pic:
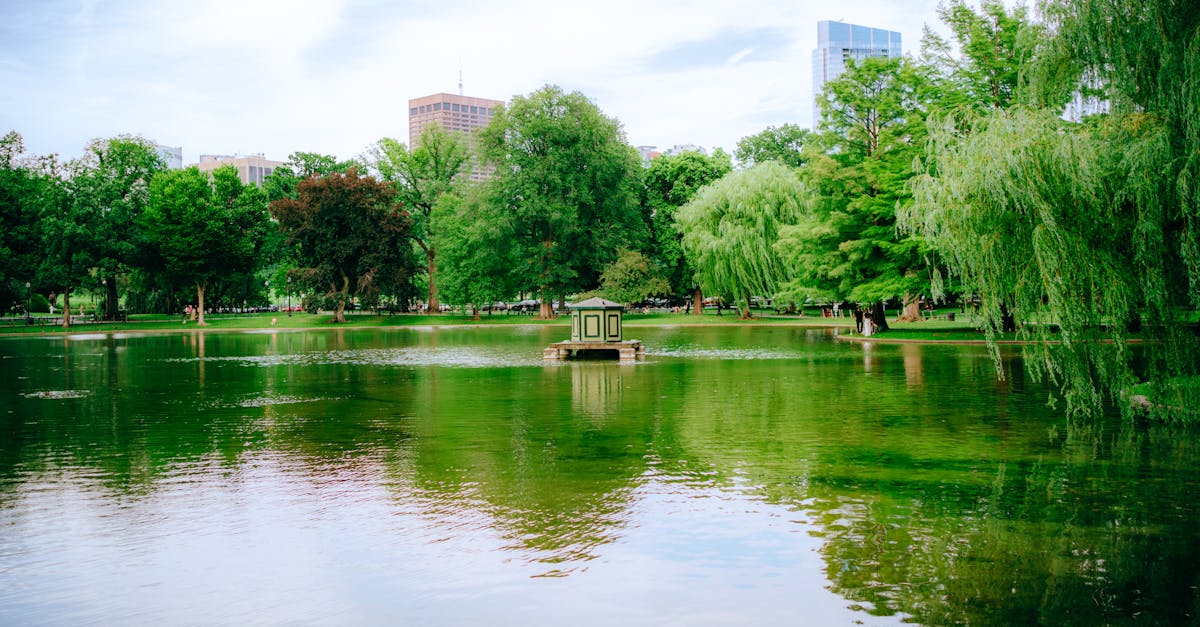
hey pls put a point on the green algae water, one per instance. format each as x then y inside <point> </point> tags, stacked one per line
<point>765,475</point>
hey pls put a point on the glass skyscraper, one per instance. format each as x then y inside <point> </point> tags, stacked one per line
<point>838,42</point>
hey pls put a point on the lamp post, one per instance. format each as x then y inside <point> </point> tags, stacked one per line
<point>28,302</point>
<point>289,291</point>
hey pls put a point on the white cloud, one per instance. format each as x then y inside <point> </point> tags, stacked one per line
<point>275,76</point>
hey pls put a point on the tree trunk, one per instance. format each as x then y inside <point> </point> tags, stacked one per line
<point>66,320</point>
<point>746,313</point>
<point>200,309</point>
<point>1008,322</point>
<point>110,298</point>
<point>698,302</point>
<point>475,311</point>
<point>339,313</point>
<point>431,302</point>
<point>546,310</point>
<point>912,309</point>
<point>879,316</point>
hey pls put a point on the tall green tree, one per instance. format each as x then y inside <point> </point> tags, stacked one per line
<point>284,181</point>
<point>423,175</point>
<point>351,237</point>
<point>93,234</point>
<point>783,143</point>
<point>474,240</point>
<point>730,229</point>
<point>670,182</point>
<point>872,130</point>
<point>988,49</point>
<point>633,277</point>
<point>29,189</point>
<point>564,171</point>
<point>200,229</point>
<point>1090,227</point>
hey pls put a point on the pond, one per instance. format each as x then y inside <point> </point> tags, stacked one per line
<point>739,475</point>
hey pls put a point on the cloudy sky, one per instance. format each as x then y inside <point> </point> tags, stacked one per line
<point>334,76</point>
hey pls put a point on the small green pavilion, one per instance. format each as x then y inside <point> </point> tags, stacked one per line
<point>596,329</point>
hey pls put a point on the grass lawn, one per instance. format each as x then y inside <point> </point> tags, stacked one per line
<point>1173,396</point>
<point>218,322</point>
<point>933,331</point>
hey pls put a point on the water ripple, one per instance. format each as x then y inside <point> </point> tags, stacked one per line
<point>465,357</point>
<point>272,399</point>
<point>739,354</point>
<point>58,394</point>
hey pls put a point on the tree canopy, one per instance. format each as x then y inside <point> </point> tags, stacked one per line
<point>474,239</point>
<point>990,49</point>
<point>783,143</point>
<point>284,181</point>
<point>730,229</point>
<point>27,193</point>
<point>352,238</point>
<point>89,234</point>
<point>1087,227</point>
<point>565,173</point>
<point>423,175</point>
<point>670,182</point>
<point>632,278</point>
<point>872,130</point>
<point>201,229</point>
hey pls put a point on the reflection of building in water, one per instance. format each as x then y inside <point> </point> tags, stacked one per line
<point>596,388</point>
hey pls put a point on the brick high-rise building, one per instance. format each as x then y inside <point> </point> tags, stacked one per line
<point>460,114</point>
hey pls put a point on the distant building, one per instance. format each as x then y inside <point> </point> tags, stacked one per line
<point>679,149</point>
<point>839,42</point>
<point>648,153</point>
<point>251,168</point>
<point>460,114</point>
<point>172,155</point>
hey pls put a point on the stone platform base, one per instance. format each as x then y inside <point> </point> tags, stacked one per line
<point>629,350</point>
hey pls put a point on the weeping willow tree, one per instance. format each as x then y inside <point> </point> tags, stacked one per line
<point>730,228</point>
<point>1086,232</point>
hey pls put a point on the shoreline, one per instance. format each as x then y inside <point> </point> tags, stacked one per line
<point>843,328</point>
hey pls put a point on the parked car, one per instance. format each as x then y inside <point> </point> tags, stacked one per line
<point>528,305</point>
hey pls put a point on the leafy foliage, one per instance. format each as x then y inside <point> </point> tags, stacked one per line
<point>565,173</point>
<point>284,181</point>
<point>26,194</point>
<point>730,229</point>
<point>90,234</point>
<point>670,182</point>
<point>351,237</point>
<point>993,45</point>
<point>632,278</point>
<point>422,177</point>
<point>1092,227</point>
<point>873,128</point>
<point>202,230</point>
<point>476,249</point>
<point>783,143</point>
